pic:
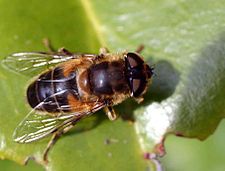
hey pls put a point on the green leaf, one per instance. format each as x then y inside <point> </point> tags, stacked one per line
<point>207,155</point>
<point>7,165</point>
<point>184,39</point>
<point>68,24</point>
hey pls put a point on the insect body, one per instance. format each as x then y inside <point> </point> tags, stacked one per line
<point>75,86</point>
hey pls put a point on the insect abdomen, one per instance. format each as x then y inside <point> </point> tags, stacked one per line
<point>51,90</point>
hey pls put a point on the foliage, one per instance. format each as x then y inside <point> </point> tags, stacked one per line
<point>184,39</point>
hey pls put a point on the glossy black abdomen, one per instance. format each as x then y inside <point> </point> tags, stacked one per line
<point>49,92</point>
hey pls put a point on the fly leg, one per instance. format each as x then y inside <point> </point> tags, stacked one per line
<point>65,51</point>
<point>56,135</point>
<point>50,48</point>
<point>103,51</point>
<point>110,112</point>
<point>48,45</point>
<point>140,48</point>
<point>53,140</point>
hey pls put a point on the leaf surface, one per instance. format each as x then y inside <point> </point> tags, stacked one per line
<point>183,39</point>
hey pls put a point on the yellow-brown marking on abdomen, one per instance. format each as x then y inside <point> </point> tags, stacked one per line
<point>78,106</point>
<point>70,66</point>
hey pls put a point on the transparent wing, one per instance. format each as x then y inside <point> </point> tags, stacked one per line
<point>36,126</point>
<point>33,63</point>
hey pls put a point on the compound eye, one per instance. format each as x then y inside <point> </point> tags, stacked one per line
<point>136,84</point>
<point>134,60</point>
<point>138,87</point>
<point>135,73</point>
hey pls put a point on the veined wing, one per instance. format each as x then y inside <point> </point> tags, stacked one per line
<point>36,126</point>
<point>33,63</point>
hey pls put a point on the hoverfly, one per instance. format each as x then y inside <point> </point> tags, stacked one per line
<point>72,86</point>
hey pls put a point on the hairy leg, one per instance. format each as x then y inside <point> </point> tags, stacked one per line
<point>110,113</point>
<point>140,48</point>
<point>103,51</point>
<point>56,135</point>
<point>50,48</point>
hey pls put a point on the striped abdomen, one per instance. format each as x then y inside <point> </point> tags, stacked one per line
<point>52,88</point>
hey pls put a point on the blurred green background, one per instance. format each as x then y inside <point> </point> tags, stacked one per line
<point>185,39</point>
